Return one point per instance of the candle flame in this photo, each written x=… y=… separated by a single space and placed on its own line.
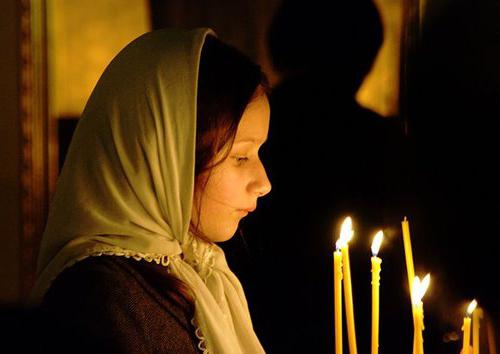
x=377 y=241
x=419 y=288
x=471 y=307
x=424 y=285
x=346 y=233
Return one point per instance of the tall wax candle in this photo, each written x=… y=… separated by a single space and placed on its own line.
x=492 y=346
x=349 y=302
x=466 y=327
x=346 y=235
x=466 y=336
x=418 y=328
x=477 y=315
x=409 y=267
x=337 y=288
x=376 y=262
x=418 y=292
x=408 y=252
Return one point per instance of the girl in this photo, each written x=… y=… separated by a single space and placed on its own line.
x=163 y=164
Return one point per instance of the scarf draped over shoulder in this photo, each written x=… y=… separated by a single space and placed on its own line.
x=126 y=186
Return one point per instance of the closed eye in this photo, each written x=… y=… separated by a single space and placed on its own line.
x=240 y=159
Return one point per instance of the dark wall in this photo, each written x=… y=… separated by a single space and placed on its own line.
x=454 y=105
x=450 y=179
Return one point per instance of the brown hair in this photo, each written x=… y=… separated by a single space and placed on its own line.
x=227 y=82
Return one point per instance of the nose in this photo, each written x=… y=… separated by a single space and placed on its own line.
x=261 y=185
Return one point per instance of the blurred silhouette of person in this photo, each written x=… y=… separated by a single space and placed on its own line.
x=327 y=157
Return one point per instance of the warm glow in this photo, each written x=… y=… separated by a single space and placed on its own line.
x=471 y=307
x=380 y=88
x=377 y=241
x=424 y=285
x=83 y=37
x=415 y=290
x=346 y=233
x=419 y=288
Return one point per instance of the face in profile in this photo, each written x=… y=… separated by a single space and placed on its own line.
x=234 y=185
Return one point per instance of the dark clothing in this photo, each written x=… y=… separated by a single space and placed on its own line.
x=112 y=304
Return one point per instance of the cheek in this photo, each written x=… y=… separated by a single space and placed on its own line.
x=219 y=217
x=227 y=188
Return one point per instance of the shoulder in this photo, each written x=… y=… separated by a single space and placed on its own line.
x=113 y=302
x=111 y=281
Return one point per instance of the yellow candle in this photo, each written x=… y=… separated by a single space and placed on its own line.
x=414 y=329
x=466 y=327
x=349 y=303
x=466 y=336
x=418 y=326
x=408 y=253
x=418 y=292
x=477 y=315
x=491 y=338
x=409 y=269
x=337 y=287
x=376 y=261
x=346 y=235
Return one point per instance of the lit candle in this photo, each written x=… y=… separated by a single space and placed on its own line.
x=408 y=253
x=466 y=327
x=491 y=337
x=477 y=315
x=376 y=261
x=337 y=288
x=345 y=236
x=418 y=292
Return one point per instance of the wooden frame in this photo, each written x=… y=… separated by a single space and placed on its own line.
x=37 y=137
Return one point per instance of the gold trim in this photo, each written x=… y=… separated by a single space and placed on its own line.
x=34 y=136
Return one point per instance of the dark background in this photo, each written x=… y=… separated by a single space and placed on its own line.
x=444 y=177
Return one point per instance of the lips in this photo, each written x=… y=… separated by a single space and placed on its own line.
x=247 y=210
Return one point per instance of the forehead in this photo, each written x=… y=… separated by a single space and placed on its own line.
x=254 y=123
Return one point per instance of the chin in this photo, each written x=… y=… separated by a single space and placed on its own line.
x=224 y=235
x=223 y=238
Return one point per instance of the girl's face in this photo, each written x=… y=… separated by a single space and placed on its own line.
x=234 y=185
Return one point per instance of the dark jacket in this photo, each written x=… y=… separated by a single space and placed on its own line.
x=112 y=304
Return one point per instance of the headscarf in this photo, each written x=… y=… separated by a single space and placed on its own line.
x=126 y=187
